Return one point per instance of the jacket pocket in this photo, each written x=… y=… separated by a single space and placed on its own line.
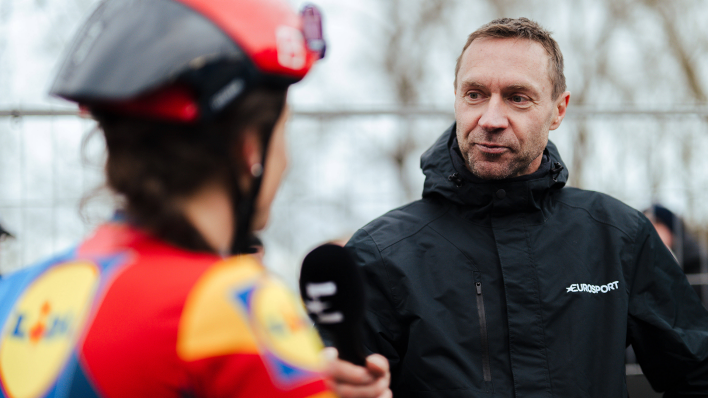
x=443 y=352
x=486 y=367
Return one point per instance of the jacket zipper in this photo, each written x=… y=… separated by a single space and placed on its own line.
x=483 y=333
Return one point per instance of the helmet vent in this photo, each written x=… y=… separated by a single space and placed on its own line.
x=91 y=36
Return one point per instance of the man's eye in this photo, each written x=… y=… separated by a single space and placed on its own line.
x=473 y=96
x=518 y=98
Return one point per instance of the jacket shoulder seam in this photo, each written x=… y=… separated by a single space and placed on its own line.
x=598 y=220
x=423 y=226
x=391 y=289
x=452 y=243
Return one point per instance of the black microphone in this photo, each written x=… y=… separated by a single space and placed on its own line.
x=333 y=291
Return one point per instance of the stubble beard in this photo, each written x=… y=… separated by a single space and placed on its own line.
x=497 y=171
x=489 y=167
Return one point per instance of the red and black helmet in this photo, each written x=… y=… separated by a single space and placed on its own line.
x=185 y=60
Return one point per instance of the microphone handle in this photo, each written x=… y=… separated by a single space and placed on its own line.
x=351 y=350
x=349 y=345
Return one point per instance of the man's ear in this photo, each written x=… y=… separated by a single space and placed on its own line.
x=561 y=105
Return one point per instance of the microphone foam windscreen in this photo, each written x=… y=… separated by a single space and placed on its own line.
x=332 y=287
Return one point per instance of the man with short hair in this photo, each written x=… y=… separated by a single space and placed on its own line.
x=502 y=282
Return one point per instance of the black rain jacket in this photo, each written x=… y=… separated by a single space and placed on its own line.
x=525 y=288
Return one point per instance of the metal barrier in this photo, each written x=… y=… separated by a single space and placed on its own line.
x=347 y=167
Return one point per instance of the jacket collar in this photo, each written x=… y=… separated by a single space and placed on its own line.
x=447 y=175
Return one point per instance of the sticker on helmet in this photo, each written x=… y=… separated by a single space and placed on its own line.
x=290 y=45
x=41 y=329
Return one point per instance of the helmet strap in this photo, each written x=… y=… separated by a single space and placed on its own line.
x=244 y=203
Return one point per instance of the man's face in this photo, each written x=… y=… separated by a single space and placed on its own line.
x=503 y=107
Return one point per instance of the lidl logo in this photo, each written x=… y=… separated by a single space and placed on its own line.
x=292 y=346
x=40 y=333
x=48 y=325
x=282 y=326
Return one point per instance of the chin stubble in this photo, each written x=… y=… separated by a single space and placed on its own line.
x=509 y=170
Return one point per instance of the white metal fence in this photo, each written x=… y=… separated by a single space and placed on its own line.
x=347 y=167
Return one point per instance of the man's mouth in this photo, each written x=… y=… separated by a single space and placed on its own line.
x=492 y=149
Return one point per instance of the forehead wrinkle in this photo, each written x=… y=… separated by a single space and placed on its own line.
x=480 y=49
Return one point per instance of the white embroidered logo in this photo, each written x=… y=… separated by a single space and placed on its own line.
x=584 y=287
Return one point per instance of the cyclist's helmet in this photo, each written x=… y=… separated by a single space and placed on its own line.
x=186 y=60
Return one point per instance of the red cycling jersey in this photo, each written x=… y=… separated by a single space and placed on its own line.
x=127 y=315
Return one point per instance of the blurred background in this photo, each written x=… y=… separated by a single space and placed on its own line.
x=637 y=125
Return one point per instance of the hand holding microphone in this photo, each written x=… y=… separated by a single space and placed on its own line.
x=333 y=291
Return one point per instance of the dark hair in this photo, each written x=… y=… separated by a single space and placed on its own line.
x=153 y=165
x=664 y=216
x=523 y=28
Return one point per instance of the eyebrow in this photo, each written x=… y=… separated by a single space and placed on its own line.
x=472 y=84
x=511 y=87
x=519 y=87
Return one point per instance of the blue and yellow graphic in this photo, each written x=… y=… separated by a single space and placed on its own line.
x=291 y=345
x=236 y=308
x=42 y=327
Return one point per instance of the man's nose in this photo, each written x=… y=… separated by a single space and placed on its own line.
x=494 y=117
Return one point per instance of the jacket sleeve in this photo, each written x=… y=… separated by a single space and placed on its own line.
x=382 y=328
x=667 y=325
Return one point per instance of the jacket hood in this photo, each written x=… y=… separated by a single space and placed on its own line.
x=446 y=175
